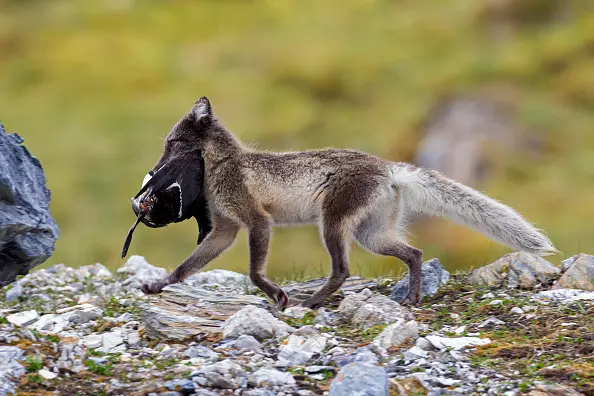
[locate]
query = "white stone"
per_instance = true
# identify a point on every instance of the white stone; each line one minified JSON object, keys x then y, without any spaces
{"x":219,"y":277}
{"x":565,"y":295}
{"x":141,"y":271}
{"x":297,"y":312}
{"x":456,"y":343}
{"x":256,"y":322}
{"x":50,"y":323}
{"x":110,"y":341}
{"x":415,"y":353}
{"x":49,"y":375}
{"x":496,"y":302}
{"x":397,"y":333}
{"x":24,"y":318}
{"x":491,"y":321}
{"x":516,"y":310}
{"x":271,"y":377}
{"x":93,"y":341}
{"x":14,"y":293}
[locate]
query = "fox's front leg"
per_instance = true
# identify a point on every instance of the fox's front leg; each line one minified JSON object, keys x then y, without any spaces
{"x":219,"y":239}
{"x":259,"y":233}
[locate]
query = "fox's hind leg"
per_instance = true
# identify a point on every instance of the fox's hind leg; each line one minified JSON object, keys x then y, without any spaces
{"x":379,"y":233}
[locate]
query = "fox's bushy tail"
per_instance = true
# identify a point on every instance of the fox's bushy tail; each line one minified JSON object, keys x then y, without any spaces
{"x":429,"y":192}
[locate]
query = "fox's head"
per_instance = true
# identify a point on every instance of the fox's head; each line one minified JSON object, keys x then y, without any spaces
{"x":188,"y":136}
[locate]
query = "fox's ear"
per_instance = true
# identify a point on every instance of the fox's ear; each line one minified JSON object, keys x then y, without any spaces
{"x":202,"y":109}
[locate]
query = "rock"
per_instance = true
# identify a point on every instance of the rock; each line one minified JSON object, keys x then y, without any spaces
{"x":424,"y":344}
{"x":110,"y":341}
{"x":434,"y":276}
{"x":397,"y":333}
{"x":182,"y":311}
{"x":10,"y":369}
{"x":28,"y":232}
{"x":301,"y":291}
{"x":326,"y":317}
{"x":15,"y":293}
{"x":515,"y":270}
{"x":47,"y":374}
{"x":361,"y":355}
{"x":368,"y":309}
{"x":415,"y":353}
{"x":410,"y":386}
{"x":463,"y":134}
{"x":80,"y":316}
{"x":456,"y":343}
{"x":579,"y":273}
{"x":247,"y":342}
{"x":50,"y":323}
{"x":219,"y":277}
{"x":256,"y":322}
{"x":202,"y":352}
{"x":133,"y":339}
{"x":358,"y":379}
{"x":300,"y":347}
{"x":225,"y":374}
{"x":553,"y":390}
{"x":185,"y":385}
{"x":93,"y":341}
{"x":268,"y":377}
{"x":491,"y":322}
{"x":24,"y":318}
{"x":141,"y":271}
{"x":297,"y":312}
{"x":565,"y":295}
{"x":517,"y":310}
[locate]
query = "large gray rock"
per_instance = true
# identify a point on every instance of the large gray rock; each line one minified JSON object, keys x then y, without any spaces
{"x":579,"y":273}
{"x":28,"y":232}
{"x":360,"y":379}
{"x":434,"y":276}
{"x":523,"y":270}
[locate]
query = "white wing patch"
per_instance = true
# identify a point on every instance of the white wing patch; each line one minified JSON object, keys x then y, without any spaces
{"x":181,"y":203}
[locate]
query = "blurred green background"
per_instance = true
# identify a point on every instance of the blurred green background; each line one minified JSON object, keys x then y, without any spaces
{"x":94,"y":86}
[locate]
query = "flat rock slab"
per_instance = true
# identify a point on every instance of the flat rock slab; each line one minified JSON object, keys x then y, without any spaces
{"x":515,"y":270}
{"x":183,"y":311}
{"x":302,"y":291}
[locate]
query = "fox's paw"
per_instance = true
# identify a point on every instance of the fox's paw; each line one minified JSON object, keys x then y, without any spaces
{"x":312,"y":304}
{"x":281,"y":299}
{"x":155,"y":287}
{"x":410,"y":301}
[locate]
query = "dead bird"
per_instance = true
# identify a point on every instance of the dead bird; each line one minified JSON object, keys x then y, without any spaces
{"x":170,"y":195}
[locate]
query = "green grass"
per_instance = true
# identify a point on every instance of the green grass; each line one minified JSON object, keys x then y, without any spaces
{"x":93,"y":87}
{"x":98,"y":368}
{"x":33,"y":363}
